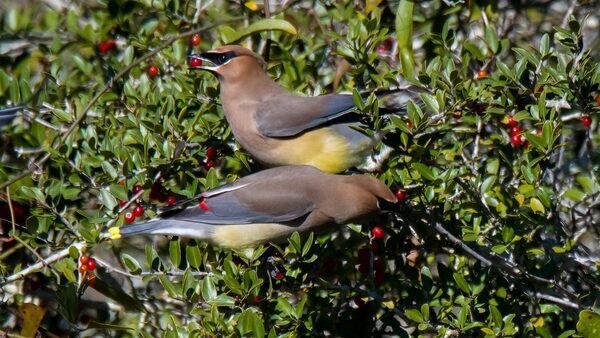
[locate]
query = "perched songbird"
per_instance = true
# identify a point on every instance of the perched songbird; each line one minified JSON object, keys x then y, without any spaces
{"x":278,"y":127}
{"x":269,"y":206}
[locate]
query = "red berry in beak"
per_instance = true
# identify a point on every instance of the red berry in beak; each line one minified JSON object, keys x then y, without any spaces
{"x":195,"y":62}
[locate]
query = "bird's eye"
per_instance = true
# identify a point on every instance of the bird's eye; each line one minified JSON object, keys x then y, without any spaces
{"x":222,"y":58}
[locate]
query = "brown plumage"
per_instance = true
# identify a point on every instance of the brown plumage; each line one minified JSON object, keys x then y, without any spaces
{"x":269,"y":206}
{"x":278,"y":127}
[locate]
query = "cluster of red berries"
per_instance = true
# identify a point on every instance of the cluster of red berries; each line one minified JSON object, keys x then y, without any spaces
{"x":86,"y":266}
{"x":138,"y":211}
{"x":211,"y":157}
{"x":516,"y":139}
{"x":107,"y":46}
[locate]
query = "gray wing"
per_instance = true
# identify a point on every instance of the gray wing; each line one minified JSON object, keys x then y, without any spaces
{"x":289,"y":115}
{"x":253,"y":199}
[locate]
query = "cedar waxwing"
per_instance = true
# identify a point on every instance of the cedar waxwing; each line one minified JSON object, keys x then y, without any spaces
{"x":269,"y":206}
{"x":278,"y":127}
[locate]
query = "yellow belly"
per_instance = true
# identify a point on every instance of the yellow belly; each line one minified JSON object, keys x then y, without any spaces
{"x":322,"y":148}
{"x":240,"y":236}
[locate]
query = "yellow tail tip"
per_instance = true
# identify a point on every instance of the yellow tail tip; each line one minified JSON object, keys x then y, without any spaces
{"x":115,"y":233}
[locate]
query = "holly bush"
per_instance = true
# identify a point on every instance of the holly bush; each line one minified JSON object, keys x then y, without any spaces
{"x":490,"y":110}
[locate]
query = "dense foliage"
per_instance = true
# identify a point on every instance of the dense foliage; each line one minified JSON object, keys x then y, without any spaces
{"x":496,"y":162}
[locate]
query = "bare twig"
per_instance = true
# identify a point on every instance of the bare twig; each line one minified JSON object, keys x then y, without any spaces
{"x":42,"y":263}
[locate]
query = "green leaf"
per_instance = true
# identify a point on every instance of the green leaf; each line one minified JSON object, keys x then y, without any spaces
{"x":491,"y":38}
{"x":545,"y":44}
{"x":169,"y":287}
{"x":260,"y":26}
{"x":496,"y":316}
{"x":574,"y":195}
{"x":294,"y":241}
{"x":97,"y":325}
{"x":536,"y":205}
{"x":109,"y":169}
{"x":430,"y":102}
{"x":424,"y":171}
{"x":131,"y":263}
{"x":461,"y":282}
{"x":209,"y":291}
{"x":586,"y":183}
{"x":404,"y":36}
{"x":414,"y":315}
{"x":108,"y":199}
{"x":250,"y":322}
{"x":175,"y":252}
{"x":589,"y":324}
{"x":488,"y":183}
{"x":194,"y":257}
{"x":308,"y":244}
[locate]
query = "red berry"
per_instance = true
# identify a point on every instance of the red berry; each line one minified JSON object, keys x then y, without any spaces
{"x":129,"y":217}
{"x":121,"y":182}
{"x":195,"y":40}
{"x":122,"y":203}
{"x":204,"y":206}
{"x":195,"y":62}
{"x":538,"y":131}
{"x":171,"y":200}
{"x":83,"y":269}
{"x":84,"y":259}
{"x":401,"y":195}
{"x":138,"y":211}
{"x":516,"y":140}
{"x":210,"y":164}
{"x":107,"y":46}
{"x":256,"y":299}
{"x":598,"y":99}
{"x":526,"y":144}
{"x":211,"y":153}
{"x":409,"y":124}
{"x":90,"y":279}
{"x":279,"y":275}
{"x":91,"y":264}
{"x":586,"y":121}
{"x":153,"y":71}
{"x":511,"y":122}
{"x":377,"y":232}
{"x":539,"y":89}
{"x":136,"y":188}
{"x":457,"y":116}
{"x":482,"y":73}
{"x":516,"y":130}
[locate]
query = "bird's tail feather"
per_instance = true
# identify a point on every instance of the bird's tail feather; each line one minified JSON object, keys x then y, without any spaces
{"x":164,"y":227}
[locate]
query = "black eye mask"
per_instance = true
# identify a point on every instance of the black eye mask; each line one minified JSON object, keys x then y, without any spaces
{"x":219,"y":58}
